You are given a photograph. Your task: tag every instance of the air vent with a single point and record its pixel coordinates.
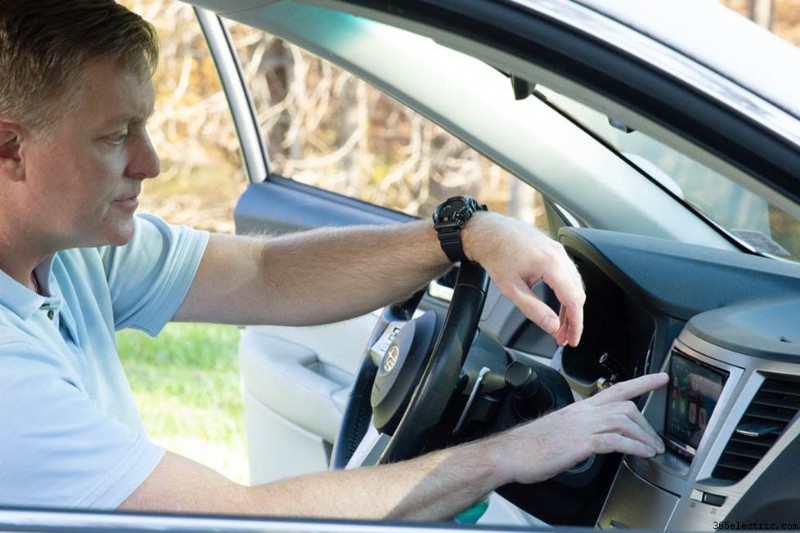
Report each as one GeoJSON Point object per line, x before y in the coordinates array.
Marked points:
{"type": "Point", "coordinates": [766, 418]}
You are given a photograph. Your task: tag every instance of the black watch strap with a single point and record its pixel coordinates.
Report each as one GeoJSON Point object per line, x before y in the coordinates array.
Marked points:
{"type": "Point", "coordinates": [449, 219]}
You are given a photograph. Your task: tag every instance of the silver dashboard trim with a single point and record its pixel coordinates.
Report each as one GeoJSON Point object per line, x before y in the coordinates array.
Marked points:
{"type": "Point", "coordinates": [690, 481]}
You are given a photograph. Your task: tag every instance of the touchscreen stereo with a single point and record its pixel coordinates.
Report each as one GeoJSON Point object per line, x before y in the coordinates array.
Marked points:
{"type": "Point", "coordinates": [692, 395]}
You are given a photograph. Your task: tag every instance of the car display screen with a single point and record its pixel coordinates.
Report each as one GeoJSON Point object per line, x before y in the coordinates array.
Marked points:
{"type": "Point", "coordinates": [694, 389]}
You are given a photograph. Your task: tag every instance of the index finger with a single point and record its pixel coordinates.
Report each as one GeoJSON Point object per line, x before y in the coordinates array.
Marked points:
{"type": "Point", "coordinates": [570, 325]}
{"type": "Point", "coordinates": [567, 285]}
{"type": "Point", "coordinates": [628, 390]}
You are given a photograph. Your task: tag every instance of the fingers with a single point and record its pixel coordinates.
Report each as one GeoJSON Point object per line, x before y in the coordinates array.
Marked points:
{"type": "Point", "coordinates": [627, 390]}
{"type": "Point", "coordinates": [614, 442]}
{"type": "Point", "coordinates": [571, 325]}
{"type": "Point", "coordinates": [533, 308]}
{"type": "Point", "coordinates": [565, 281]}
{"type": "Point", "coordinates": [567, 327]}
{"type": "Point", "coordinates": [624, 418]}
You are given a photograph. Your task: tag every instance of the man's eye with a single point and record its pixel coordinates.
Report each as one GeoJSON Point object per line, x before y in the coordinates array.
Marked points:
{"type": "Point", "coordinates": [117, 138]}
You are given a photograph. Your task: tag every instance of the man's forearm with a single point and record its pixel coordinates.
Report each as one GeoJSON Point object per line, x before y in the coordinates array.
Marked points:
{"type": "Point", "coordinates": [346, 272]}
{"type": "Point", "coordinates": [436, 486]}
{"type": "Point", "coordinates": [313, 277]}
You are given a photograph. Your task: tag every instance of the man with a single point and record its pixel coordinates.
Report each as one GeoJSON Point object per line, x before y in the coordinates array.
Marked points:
{"type": "Point", "coordinates": [76, 264]}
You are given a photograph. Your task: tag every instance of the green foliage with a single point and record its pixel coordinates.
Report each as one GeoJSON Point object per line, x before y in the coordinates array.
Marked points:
{"type": "Point", "coordinates": [186, 383]}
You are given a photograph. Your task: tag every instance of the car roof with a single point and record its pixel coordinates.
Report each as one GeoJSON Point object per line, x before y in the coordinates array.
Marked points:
{"type": "Point", "coordinates": [718, 38]}
{"type": "Point", "coordinates": [703, 31]}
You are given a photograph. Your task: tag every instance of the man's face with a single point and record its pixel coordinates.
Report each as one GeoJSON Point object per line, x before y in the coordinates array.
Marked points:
{"type": "Point", "coordinates": [84, 175]}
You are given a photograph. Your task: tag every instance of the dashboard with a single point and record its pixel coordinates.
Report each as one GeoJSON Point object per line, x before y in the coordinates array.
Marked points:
{"type": "Point", "coordinates": [726, 327]}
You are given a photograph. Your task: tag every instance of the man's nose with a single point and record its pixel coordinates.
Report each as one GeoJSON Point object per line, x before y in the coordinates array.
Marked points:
{"type": "Point", "coordinates": [144, 162]}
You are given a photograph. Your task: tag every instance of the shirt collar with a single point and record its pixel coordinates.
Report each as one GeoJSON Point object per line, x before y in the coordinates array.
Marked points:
{"type": "Point", "coordinates": [20, 299]}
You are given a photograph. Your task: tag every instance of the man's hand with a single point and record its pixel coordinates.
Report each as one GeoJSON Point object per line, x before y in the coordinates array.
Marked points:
{"type": "Point", "coordinates": [516, 256]}
{"type": "Point", "coordinates": [607, 422]}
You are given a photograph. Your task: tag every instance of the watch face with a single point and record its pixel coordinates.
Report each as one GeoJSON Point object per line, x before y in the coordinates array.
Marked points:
{"type": "Point", "coordinates": [455, 211]}
{"type": "Point", "coordinates": [455, 208]}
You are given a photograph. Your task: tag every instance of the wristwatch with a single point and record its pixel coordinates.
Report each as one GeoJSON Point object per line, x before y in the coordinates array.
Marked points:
{"type": "Point", "coordinates": [449, 219]}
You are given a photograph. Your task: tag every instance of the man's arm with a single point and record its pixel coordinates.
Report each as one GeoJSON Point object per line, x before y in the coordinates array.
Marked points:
{"type": "Point", "coordinates": [312, 277]}
{"type": "Point", "coordinates": [327, 275]}
{"type": "Point", "coordinates": [435, 486]}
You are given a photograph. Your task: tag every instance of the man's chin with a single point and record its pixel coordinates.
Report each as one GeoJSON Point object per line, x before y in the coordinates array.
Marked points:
{"type": "Point", "coordinates": [118, 234]}
{"type": "Point", "coordinates": [123, 237]}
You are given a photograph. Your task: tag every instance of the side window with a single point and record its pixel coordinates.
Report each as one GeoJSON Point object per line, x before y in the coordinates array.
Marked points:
{"type": "Point", "coordinates": [326, 128]}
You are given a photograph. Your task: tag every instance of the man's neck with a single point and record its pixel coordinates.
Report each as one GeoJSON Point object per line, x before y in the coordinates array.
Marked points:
{"type": "Point", "coordinates": [35, 285]}
{"type": "Point", "coordinates": [19, 258]}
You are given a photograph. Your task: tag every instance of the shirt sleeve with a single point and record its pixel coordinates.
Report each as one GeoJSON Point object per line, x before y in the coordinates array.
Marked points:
{"type": "Point", "coordinates": [57, 447]}
{"type": "Point", "coordinates": [149, 277]}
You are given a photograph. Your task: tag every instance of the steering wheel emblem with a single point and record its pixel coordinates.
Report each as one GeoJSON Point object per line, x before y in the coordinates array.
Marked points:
{"type": "Point", "coordinates": [391, 358]}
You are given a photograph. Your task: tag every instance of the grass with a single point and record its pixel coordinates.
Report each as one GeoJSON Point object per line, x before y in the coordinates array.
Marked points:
{"type": "Point", "coordinates": [186, 383]}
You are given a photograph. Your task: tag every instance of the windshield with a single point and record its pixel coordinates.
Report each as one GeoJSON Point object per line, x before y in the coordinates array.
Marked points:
{"type": "Point", "coordinates": [742, 213]}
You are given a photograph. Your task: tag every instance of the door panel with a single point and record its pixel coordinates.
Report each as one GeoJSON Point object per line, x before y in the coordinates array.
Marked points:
{"type": "Point", "coordinates": [296, 380]}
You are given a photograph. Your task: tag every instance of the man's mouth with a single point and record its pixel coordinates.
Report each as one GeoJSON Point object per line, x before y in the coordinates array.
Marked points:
{"type": "Point", "coordinates": [132, 202]}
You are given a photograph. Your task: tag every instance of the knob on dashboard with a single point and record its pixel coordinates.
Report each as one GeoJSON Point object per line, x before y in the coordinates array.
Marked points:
{"type": "Point", "coordinates": [531, 396]}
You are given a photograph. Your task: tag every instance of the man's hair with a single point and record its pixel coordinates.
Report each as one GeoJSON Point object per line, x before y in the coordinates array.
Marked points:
{"type": "Point", "coordinates": [46, 44]}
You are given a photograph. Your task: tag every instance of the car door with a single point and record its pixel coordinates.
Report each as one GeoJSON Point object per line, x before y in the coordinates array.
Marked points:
{"type": "Point", "coordinates": [296, 380]}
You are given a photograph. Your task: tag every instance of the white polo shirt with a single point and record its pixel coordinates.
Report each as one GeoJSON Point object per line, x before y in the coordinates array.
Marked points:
{"type": "Point", "coordinates": [70, 433]}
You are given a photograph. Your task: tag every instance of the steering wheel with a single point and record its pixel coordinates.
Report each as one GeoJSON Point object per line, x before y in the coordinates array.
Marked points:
{"type": "Point", "coordinates": [410, 370]}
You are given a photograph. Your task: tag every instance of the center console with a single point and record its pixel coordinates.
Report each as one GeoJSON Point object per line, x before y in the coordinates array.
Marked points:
{"type": "Point", "coordinates": [727, 418]}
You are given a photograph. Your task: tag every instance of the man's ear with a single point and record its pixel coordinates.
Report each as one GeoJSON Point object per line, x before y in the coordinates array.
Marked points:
{"type": "Point", "coordinates": [10, 157]}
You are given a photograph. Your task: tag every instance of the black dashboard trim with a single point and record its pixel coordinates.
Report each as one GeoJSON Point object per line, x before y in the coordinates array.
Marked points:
{"type": "Point", "coordinates": [682, 280]}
